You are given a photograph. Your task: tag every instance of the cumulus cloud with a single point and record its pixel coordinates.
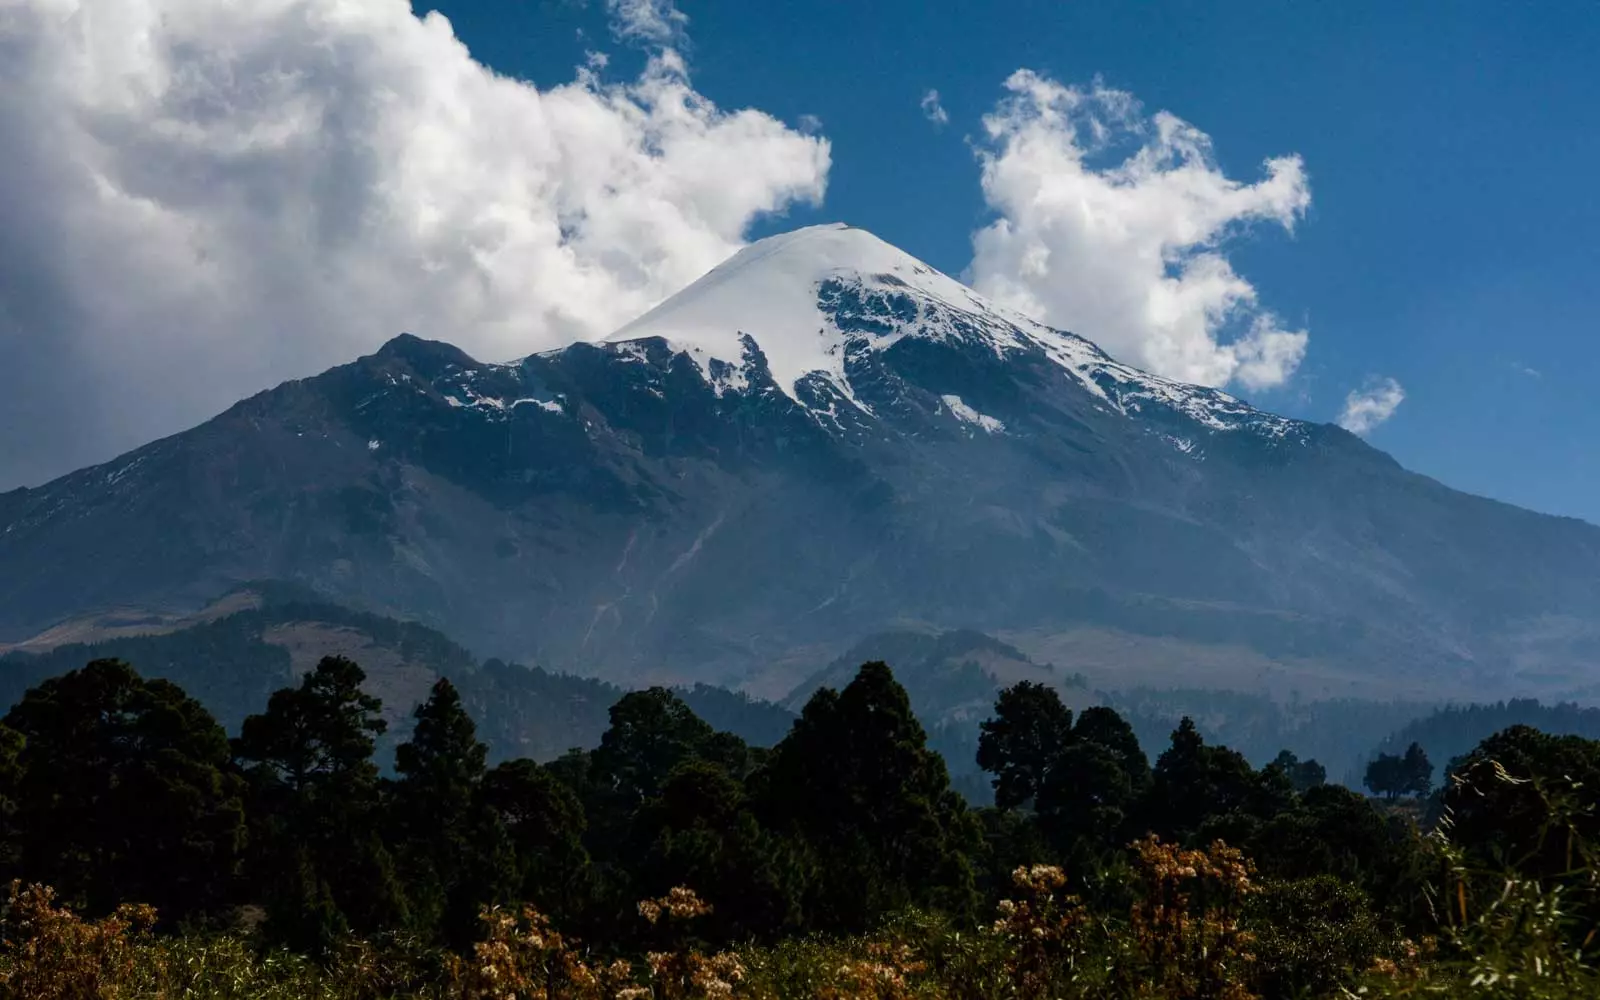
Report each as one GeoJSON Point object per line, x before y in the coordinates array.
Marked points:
{"type": "Point", "coordinates": [203, 197]}
{"type": "Point", "coordinates": [933, 110]}
{"type": "Point", "coordinates": [1113, 224]}
{"type": "Point", "coordinates": [1372, 404]}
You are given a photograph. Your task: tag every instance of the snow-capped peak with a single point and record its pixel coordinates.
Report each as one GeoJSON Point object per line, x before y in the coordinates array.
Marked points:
{"type": "Point", "coordinates": [769, 291]}
{"type": "Point", "coordinates": [797, 296]}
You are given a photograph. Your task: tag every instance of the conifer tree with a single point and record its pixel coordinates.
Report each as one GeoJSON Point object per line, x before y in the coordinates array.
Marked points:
{"type": "Point", "coordinates": [1195, 787]}
{"type": "Point", "coordinates": [1020, 743]}
{"type": "Point", "coordinates": [855, 782]}
{"type": "Point", "coordinates": [123, 792]}
{"type": "Point", "coordinates": [1416, 771]}
{"type": "Point", "coordinates": [539, 825]}
{"type": "Point", "coordinates": [319, 856]}
{"type": "Point", "coordinates": [445, 844]}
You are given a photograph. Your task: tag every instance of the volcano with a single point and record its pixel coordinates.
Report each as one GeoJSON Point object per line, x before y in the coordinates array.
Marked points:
{"type": "Point", "coordinates": [821, 438]}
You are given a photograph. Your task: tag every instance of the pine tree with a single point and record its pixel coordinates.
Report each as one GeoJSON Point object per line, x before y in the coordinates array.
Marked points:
{"type": "Point", "coordinates": [318, 853]}
{"type": "Point", "coordinates": [1200, 792]}
{"type": "Point", "coordinates": [1303, 775]}
{"type": "Point", "coordinates": [538, 823]}
{"type": "Point", "coordinates": [444, 850]}
{"type": "Point", "coordinates": [1385, 775]}
{"type": "Point", "coordinates": [1018, 745]}
{"type": "Point", "coordinates": [700, 832]}
{"type": "Point", "coordinates": [123, 791]}
{"type": "Point", "coordinates": [11, 743]}
{"type": "Point", "coordinates": [855, 782]}
{"type": "Point", "coordinates": [1416, 771]}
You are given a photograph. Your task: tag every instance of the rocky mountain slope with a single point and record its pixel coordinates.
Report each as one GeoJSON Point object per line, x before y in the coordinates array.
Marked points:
{"type": "Point", "coordinates": [819, 439]}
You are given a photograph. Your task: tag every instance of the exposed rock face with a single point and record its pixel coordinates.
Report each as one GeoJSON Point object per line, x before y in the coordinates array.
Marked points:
{"type": "Point", "coordinates": [818, 439]}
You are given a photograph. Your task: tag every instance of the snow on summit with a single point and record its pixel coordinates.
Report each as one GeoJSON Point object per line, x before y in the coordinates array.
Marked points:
{"type": "Point", "coordinates": [768, 291]}
{"type": "Point", "coordinates": [773, 292]}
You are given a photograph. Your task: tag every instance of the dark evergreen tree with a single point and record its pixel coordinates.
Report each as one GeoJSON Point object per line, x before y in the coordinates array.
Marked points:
{"type": "Point", "coordinates": [1020, 743]}
{"type": "Point", "coordinates": [1089, 800]}
{"type": "Point", "coordinates": [318, 855]}
{"type": "Point", "coordinates": [1386, 776]}
{"type": "Point", "coordinates": [1416, 771]}
{"type": "Point", "coordinates": [1303, 775]}
{"type": "Point", "coordinates": [446, 846]}
{"type": "Point", "coordinates": [700, 832]}
{"type": "Point", "coordinates": [1105, 726]}
{"type": "Point", "coordinates": [541, 822]}
{"type": "Point", "coordinates": [651, 733]}
{"type": "Point", "coordinates": [123, 791]}
{"type": "Point", "coordinates": [1334, 831]}
{"type": "Point", "coordinates": [855, 782]}
{"type": "Point", "coordinates": [1200, 792]}
{"type": "Point", "coordinates": [11, 743]}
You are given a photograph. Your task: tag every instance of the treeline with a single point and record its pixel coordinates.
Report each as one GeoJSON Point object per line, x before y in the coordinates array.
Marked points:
{"type": "Point", "coordinates": [1451, 732]}
{"type": "Point", "coordinates": [115, 788]}
{"type": "Point", "coordinates": [233, 663]}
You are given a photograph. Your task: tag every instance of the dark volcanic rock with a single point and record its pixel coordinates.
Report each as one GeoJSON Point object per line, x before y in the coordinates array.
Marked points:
{"type": "Point", "coordinates": [819, 438]}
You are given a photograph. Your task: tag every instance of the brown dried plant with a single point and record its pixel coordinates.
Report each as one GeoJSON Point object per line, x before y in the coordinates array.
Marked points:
{"type": "Point", "coordinates": [1186, 927]}
{"type": "Point", "coordinates": [523, 958]}
{"type": "Point", "coordinates": [1045, 929]}
{"type": "Point", "coordinates": [50, 953]}
{"type": "Point", "coordinates": [684, 973]}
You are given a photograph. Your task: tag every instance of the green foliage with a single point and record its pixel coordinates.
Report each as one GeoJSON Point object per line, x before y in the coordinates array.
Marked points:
{"type": "Point", "coordinates": [1333, 831]}
{"type": "Point", "coordinates": [447, 846]}
{"type": "Point", "coordinates": [122, 791]}
{"type": "Point", "coordinates": [839, 865]}
{"type": "Point", "coordinates": [1303, 775]}
{"type": "Point", "coordinates": [318, 854]}
{"type": "Point", "coordinates": [700, 831]}
{"type": "Point", "coordinates": [1311, 936]}
{"type": "Point", "coordinates": [1020, 743]}
{"type": "Point", "coordinates": [539, 822]}
{"type": "Point", "coordinates": [872, 806]}
{"type": "Point", "coordinates": [1410, 774]}
{"type": "Point", "coordinates": [1199, 792]}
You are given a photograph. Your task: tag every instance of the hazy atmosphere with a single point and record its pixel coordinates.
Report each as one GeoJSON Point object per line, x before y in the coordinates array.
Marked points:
{"type": "Point", "coordinates": [303, 180]}
{"type": "Point", "coordinates": [663, 500]}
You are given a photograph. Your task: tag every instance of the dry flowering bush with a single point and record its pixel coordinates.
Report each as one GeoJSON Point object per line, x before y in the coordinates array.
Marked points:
{"type": "Point", "coordinates": [680, 903]}
{"type": "Point", "coordinates": [50, 953]}
{"type": "Point", "coordinates": [888, 971]}
{"type": "Point", "coordinates": [1186, 928]}
{"type": "Point", "coordinates": [1045, 928]}
{"type": "Point", "coordinates": [684, 973]}
{"type": "Point", "coordinates": [523, 958]}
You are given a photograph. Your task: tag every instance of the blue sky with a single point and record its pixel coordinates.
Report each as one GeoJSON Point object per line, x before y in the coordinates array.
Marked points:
{"type": "Point", "coordinates": [203, 198]}
{"type": "Point", "coordinates": [1451, 241]}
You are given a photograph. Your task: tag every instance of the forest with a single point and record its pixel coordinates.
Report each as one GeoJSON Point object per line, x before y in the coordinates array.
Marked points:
{"type": "Point", "coordinates": [151, 855]}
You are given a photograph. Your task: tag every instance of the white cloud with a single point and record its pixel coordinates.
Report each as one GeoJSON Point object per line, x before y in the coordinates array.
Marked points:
{"type": "Point", "coordinates": [933, 110]}
{"type": "Point", "coordinates": [1367, 407]}
{"type": "Point", "coordinates": [203, 197]}
{"type": "Point", "coordinates": [1113, 224]}
{"type": "Point", "coordinates": [655, 21]}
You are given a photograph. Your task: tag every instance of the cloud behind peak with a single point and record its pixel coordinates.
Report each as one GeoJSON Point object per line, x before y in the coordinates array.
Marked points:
{"type": "Point", "coordinates": [1115, 224]}
{"type": "Point", "coordinates": [215, 195]}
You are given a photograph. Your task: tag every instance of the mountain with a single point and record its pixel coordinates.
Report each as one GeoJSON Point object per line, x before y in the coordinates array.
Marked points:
{"type": "Point", "coordinates": [950, 676]}
{"type": "Point", "coordinates": [234, 653]}
{"type": "Point", "coordinates": [820, 439]}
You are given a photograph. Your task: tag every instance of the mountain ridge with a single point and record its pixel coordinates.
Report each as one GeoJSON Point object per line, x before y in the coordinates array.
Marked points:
{"type": "Point", "coordinates": [638, 510]}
